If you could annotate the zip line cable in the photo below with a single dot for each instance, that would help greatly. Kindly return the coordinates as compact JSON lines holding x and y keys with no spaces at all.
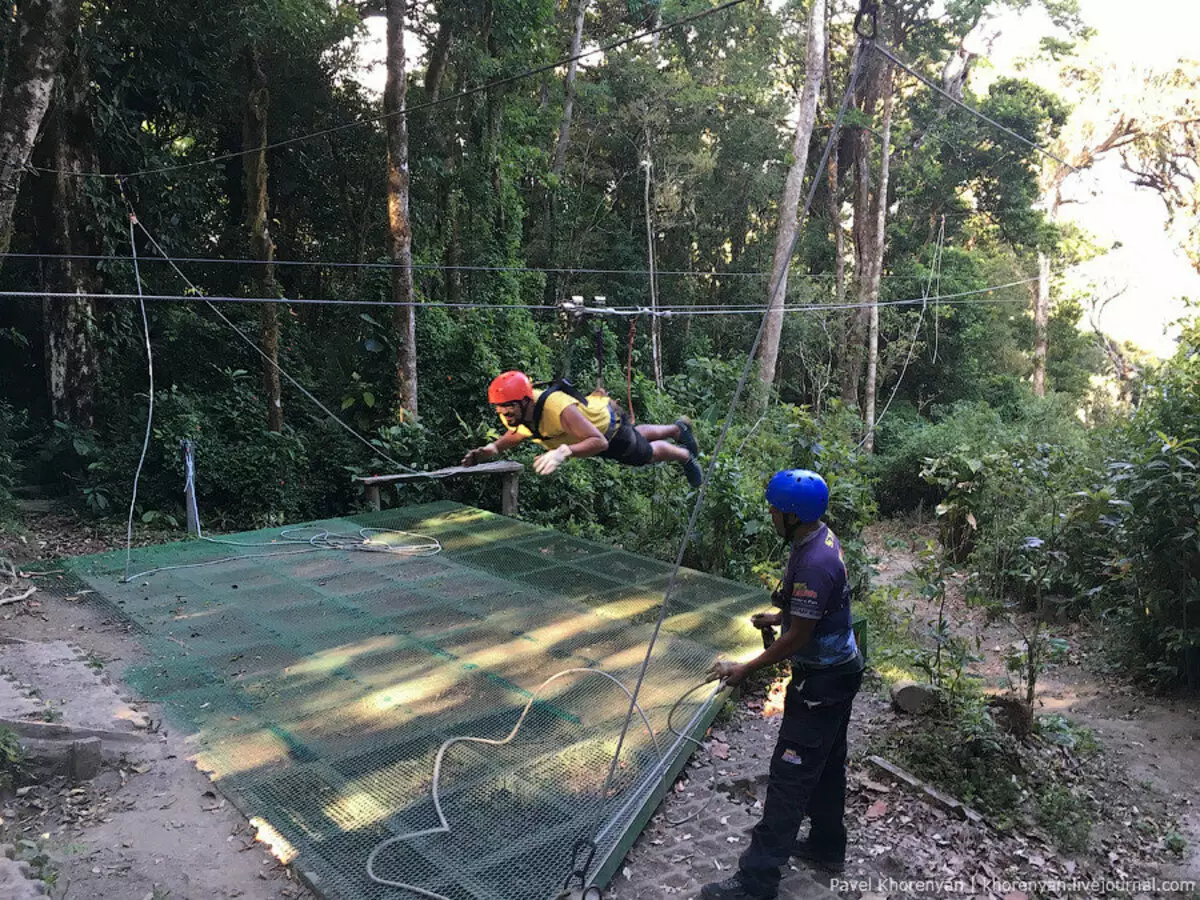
{"x":482,"y":88}
{"x":325,"y":409}
{"x":616,"y":311}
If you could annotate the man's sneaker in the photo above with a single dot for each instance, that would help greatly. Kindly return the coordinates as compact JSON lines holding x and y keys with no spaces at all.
{"x":691,"y":468}
{"x":731,"y":889}
{"x":687,"y":438}
{"x":831,"y":865}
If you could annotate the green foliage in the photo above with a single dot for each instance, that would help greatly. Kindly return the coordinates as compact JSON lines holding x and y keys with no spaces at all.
{"x":944,"y":656}
{"x":1066,"y":816}
{"x":10,"y":423}
{"x":967,"y":756}
{"x":12,"y":759}
{"x":888,"y":627}
{"x":1057,"y":729}
{"x":1175,"y":842}
{"x":1152,"y":597}
{"x":1056,"y":519}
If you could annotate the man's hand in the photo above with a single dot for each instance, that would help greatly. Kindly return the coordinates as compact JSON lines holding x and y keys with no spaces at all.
{"x":548,"y":462}
{"x":478,"y":455}
{"x":766,"y":620}
{"x":731,"y":673}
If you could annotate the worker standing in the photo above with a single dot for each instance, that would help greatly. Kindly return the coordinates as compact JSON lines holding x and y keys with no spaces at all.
{"x":808,"y":769}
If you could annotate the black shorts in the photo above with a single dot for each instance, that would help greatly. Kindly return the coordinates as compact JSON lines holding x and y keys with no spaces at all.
{"x":627,"y":446}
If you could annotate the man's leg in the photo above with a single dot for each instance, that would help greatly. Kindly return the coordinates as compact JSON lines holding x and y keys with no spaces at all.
{"x":807,"y":736}
{"x":680,"y":433}
{"x":665,"y":452}
{"x":643,"y":445}
{"x":826,"y":841}
{"x":658,"y":432}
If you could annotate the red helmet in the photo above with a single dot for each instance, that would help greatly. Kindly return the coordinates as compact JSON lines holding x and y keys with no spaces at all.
{"x":510,"y":387}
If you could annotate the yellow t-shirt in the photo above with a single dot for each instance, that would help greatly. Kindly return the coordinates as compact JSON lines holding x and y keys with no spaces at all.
{"x":596,"y":411}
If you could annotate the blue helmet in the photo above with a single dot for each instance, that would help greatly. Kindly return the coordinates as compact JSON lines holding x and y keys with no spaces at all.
{"x":799,"y":491}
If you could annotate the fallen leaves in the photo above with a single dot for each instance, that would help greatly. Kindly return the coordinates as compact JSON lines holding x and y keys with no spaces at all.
{"x":877,"y":810}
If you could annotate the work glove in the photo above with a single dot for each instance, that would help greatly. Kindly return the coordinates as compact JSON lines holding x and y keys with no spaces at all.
{"x":730,"y":673}
{"x":548,"y":462}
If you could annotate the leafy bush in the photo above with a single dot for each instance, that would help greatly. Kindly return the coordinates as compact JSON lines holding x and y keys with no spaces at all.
{"x":12,"y":759}
{"x":966,"y":431}
{"x":10,"y":423}
{"x":1102,"y":522}
{"x":905,"y":442}
{"x":1153,"y":600}
{"x":968,"y":756}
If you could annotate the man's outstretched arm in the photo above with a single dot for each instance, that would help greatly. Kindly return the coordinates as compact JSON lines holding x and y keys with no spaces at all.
{"x":502,"y":444}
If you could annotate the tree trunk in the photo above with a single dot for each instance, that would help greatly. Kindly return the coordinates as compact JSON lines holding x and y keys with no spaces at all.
{"x":834,"y":211}
{"x":39,"y":32}
{"x":862,"y":228}
{"x":814,"y":63}
{"x":262,"y":247}
{"x":399,"y":224}
{"x":655,"y":323}
{"x":62,"y":216}
{"x":438,"y":58}
{"x":564,"y":127}
{"x":871,"y":283}
{"x":656,"y":354}
{"x":549,"y":204}
{"x":1041,"y":320}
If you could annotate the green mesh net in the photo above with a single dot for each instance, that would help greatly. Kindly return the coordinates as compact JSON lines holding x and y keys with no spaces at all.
{"x":320,"y":684}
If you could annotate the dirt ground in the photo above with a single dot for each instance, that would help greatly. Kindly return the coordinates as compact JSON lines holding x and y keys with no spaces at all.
{"x":149,"y":826}
{"x":153,"y":827}
{"x":1152,"y":743}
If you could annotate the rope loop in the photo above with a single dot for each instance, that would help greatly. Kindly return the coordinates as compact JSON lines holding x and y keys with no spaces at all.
{"x":578,"y":871}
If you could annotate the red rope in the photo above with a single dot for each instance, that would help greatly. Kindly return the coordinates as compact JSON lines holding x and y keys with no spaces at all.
{"x":629,"y":371}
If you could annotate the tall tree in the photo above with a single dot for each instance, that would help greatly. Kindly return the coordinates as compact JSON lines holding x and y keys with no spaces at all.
{"x":866,"y":219}
{"x":789,"y":206}
{"x":656,"y":341}
{"x":262,"y":247}
{"x":559,"y":164}
{"x":65,"y":221}
{"x":39,"y":36}
{"x":399,"y":224}
{"x":872,"y":262}
{"x":564,"y":125}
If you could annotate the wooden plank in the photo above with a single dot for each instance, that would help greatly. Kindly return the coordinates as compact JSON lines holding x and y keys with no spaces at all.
{"x":509,"y":484}
{"x":929,"y":792}
{"x":489,"y":468}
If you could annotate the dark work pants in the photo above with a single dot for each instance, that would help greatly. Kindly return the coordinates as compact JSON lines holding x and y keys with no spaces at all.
{"x":808,"y":777}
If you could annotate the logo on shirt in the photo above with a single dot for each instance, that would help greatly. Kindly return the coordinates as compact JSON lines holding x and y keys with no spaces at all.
{"x":801,"y":589}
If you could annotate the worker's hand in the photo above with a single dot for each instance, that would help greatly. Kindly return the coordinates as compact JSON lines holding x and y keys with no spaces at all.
{"x":478,"y":455}
{"x":731,"y":673}
{"x":548,"y":462}
{"x":766,"y":620}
